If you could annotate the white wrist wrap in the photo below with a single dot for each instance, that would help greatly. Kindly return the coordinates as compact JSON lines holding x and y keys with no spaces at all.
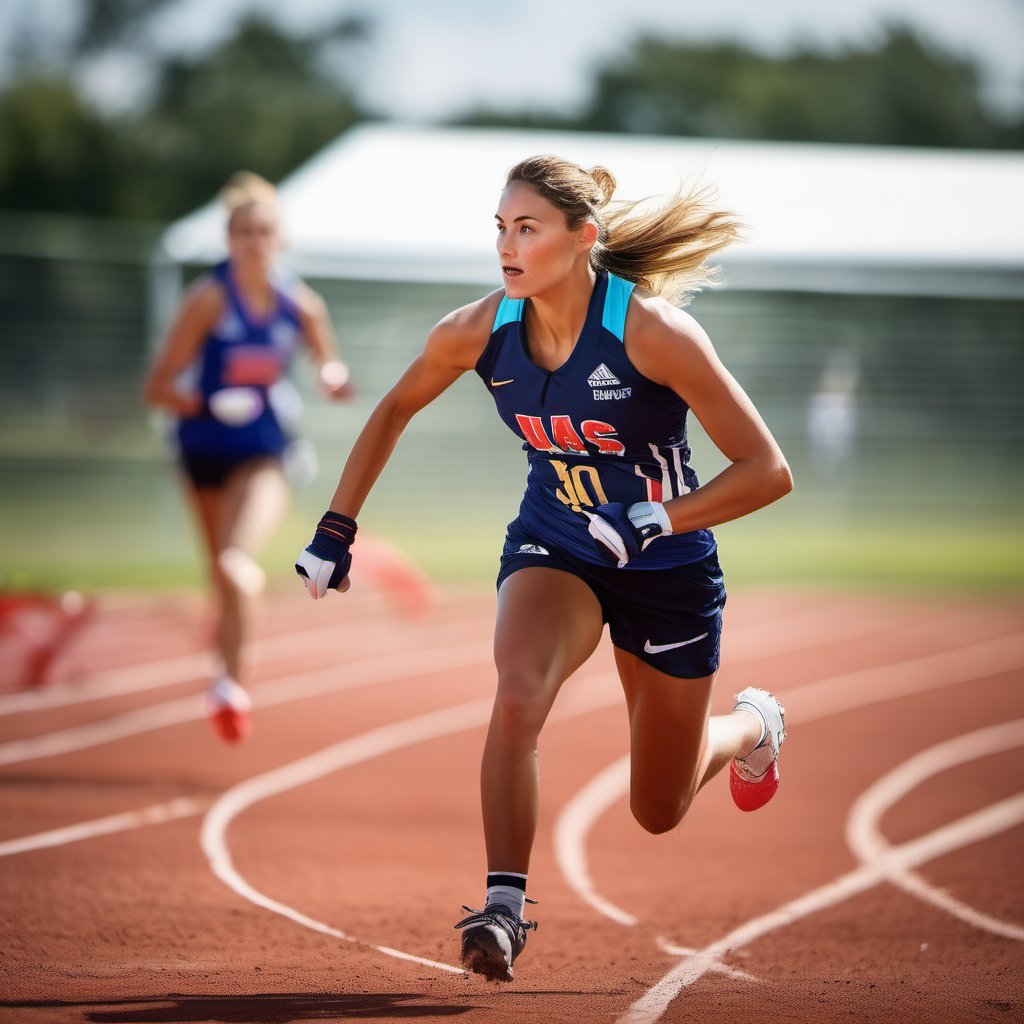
{"x":645,"y":514}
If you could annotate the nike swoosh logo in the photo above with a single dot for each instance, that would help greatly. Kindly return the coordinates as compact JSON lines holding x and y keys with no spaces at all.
{"x":500,"y":383}
{"x":650,"y":648}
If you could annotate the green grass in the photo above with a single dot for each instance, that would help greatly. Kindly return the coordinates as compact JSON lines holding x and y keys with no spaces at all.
{"x":122,"y":523}
{"x":894,"y":556}
{"x":903,"y":555}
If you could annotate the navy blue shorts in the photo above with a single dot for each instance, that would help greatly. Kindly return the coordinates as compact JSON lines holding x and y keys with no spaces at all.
{"x":206,"y":470}
{"x":669,"y":618}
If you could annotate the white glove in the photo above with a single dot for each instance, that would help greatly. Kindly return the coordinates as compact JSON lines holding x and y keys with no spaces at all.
{"x":621,"y":533}
{"x":316,"y":574}
{"x":325,"y":563}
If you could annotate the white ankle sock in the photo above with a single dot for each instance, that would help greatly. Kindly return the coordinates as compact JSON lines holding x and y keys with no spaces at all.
{"x":509,"y":888}
{"x":751,"y":710}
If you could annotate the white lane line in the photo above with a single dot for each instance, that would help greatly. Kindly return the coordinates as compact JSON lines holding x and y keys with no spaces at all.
{"x":187,"y":709}
{"x":213,"y":836}
{"x":601,"y":691}
{"x":803,"y":704}
{"x":904,"y":678}
{"x":714,"y":965}
{"x":593,"y":692}
{"x":581,"y":695}
{"x":151,"y":675}
{"x":157,"y":814}
{"x":863,"y":832}
{"x":572,"y":827}
{"x":363,"y":672}
{"x":970,"y":829}
{"x":183,"y":668}
{"x":146,"y":675}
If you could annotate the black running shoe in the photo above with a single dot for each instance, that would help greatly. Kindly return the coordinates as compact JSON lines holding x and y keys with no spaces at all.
{"x":491,"y":940}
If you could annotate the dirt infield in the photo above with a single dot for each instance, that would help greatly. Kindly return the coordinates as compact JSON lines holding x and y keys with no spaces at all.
{"x":148,"y":873}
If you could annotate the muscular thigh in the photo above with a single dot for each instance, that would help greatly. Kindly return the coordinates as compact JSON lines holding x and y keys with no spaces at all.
{"x":667,"y":722}
{"x":549,"y":622}
{"x":255,"y":498}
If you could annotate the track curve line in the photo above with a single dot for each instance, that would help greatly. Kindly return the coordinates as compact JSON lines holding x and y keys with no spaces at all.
{"x":863,"y":831}
{"x":591,"y":693}
{"x":965,"y":831}
{"x":807,"y":703}
{"x":213,"y":835}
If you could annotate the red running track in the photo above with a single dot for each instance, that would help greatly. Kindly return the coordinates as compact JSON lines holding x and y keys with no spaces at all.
{"x":150,"y":874}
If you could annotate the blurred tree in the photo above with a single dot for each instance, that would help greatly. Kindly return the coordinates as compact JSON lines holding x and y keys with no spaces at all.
{"x":900,"y":92}
{"x":266,"y":98}
{"x":262,"y":99}
{"x":56,"y":152}
{"x":107,"y":23}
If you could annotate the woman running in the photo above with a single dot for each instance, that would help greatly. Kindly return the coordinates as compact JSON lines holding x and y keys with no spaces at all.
{"x":591,"y":363}
{"x":232,"y":341}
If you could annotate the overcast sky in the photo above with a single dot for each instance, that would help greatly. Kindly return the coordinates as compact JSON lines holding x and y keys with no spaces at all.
{"x":431,"y":58}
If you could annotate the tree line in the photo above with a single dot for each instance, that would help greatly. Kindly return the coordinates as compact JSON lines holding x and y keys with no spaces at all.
{"x":266,"y":98}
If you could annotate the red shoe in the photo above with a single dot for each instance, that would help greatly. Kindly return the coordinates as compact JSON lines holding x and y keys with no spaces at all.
{"x":228,"y":707}
{"x":754,"y":778}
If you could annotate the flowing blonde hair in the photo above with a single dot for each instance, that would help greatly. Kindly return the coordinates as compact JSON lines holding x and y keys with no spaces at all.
{"x":664,"y":249}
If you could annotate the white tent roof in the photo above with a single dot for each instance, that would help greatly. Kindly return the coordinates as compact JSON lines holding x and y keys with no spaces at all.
{"x":390,"y":202}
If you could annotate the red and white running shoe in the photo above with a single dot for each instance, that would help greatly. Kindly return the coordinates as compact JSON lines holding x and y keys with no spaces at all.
{"x":754,"y":778}
{"x":228,"y":707}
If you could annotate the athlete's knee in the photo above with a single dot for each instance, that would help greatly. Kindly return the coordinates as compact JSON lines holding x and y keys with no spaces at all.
{"x":240,"y":572}
{"x":661,"y":813}
{"x":520,"y":704}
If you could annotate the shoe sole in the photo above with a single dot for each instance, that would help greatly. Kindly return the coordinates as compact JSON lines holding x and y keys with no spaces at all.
{"x":748,"y":795}
{"x":751,"y":796}
{"x":230,"y":725}
{"x":482,"y":955}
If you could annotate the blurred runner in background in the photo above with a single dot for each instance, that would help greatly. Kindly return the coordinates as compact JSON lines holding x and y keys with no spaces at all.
{"x":221,"y":371}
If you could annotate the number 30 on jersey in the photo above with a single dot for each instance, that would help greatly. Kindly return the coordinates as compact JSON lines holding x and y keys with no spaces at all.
{"x":581,"y":486}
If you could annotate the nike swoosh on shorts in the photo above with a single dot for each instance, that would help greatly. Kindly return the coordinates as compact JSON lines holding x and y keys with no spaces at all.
{"x":650,"y":648}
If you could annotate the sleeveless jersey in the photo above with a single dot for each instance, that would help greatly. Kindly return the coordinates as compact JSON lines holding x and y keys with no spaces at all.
{"x":595,"y":430}
{"x":245,"y":351}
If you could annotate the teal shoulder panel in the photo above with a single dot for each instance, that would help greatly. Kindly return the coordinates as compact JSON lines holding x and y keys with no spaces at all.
{"x":509,"y":311}
{"x":616,"y":301}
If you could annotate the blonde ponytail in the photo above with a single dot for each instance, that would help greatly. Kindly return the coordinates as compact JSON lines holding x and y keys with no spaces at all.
{"x":666,"y":249}
{"x":606,"y":185}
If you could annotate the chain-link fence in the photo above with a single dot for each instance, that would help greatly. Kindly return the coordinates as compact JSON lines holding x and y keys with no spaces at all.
{"x":898,"y":413}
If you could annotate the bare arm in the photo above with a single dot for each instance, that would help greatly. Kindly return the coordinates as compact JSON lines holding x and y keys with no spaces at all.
{"x":670,"y":347}
{"x":452,"y":348}
{"x":195,"y":319}
{"x":333,"y":374}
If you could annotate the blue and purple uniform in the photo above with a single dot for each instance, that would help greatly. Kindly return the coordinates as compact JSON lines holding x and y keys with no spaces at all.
{"x":242,"y":351}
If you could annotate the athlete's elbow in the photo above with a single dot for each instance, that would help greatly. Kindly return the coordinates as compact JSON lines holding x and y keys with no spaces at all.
{"x":779,"y":479}
{"x":392,"y":416}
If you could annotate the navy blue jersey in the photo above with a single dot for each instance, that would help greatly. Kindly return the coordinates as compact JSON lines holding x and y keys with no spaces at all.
{"x":595,"y":430}
{"x":244,"y":351}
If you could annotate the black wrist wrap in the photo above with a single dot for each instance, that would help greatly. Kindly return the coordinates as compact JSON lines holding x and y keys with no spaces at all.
{"x":334,"y":534}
